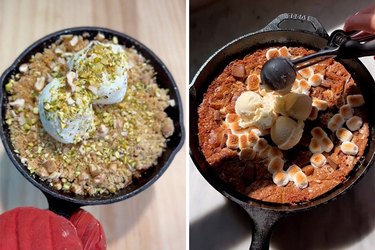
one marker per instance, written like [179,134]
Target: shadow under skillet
[336,225]
[220,229]
[333,226]
[213,26]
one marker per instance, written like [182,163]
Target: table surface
[216,223]
[156,218]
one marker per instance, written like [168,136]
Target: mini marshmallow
[292,170]
[313,114]
[243,142]
[295,85]
[315,80]
[284,52]
[260,145]
[327,144]
[304,84]
[252,82]
[232,118]
[280,178]
[247,154]
[275,152]
[276,164]
[320,104]
[335,122]
[354,123]
[272,53]
[355,100]
[301,90]
[315,146]
[232,141]
[263,154]
[318,160]
[306,72]
[235,127]
[349,148]
[344,135]
[300,180]
[252,138]
[256,131]
[346,111]
[318,133]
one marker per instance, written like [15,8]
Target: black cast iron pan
[63,203]
[289,30]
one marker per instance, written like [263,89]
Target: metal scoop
[280,73]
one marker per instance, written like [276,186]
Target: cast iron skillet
[66,204]
[289,30]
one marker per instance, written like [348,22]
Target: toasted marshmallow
[252,138]
[276,164]
[335,122]
[280,178]
[243,142]
[263,154]
[260,145]
[315,146]
[252,82]
[349,148]
[232,141]
[327,144]
[344,135]
[236,128]
[346,111]
[292,170]
[318,160]
[320,104]
[272,53]
[355,100]
[315,80]
[318,133]
[261,132]
[300,180]
[313,114]
[247,154]
[304,84]
[284,52]
[306,72]
[232,118]
[354,123]
[275,152]
[295,85]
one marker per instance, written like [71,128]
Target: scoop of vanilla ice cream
[68,117]
[102,68]
[255,110]
[286,132]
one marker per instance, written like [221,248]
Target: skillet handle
[263,221]
[297,22]
[61,207]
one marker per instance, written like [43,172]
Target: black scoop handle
[355,49]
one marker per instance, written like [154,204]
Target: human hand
[363,20]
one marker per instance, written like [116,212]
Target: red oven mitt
[34,228]
[89,230]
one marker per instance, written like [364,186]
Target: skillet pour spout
[285,30]
[66,203]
